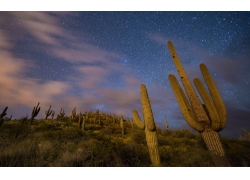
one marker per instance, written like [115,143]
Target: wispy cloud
[18,88]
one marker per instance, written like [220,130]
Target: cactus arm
[139,123]
[48,113]
[147,111]
[221,109]
[192,96]
[184,105]
[4,112]
[212,112]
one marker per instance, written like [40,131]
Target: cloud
[92,67]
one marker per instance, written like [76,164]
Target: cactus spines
[34,112]
[208,118]
[48,113]
[148,125]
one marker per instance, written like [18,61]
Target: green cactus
[48,113]
[208,118]
[2,115]
[148,125]
[34,112]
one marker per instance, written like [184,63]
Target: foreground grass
[48,143]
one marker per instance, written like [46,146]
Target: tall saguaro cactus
[34,112]
[208,118]
[48,113]
[148,125]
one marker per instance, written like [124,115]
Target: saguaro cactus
[73,115]
[61,114]
[80,120]
[48,113]
[2,115]
[208,118]
[34,112]
[122,124]
[52,115]
[148,125]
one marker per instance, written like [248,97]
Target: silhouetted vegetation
[62,143]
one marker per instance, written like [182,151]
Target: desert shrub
[19,154]
[138,136]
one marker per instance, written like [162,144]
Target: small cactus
[83,123]
[80,120]
[208,118]
[122,124]
[166,122]
[73,115]
[35,112]
[48,113]
[148,125]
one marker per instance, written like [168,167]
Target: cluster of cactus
[49,112]
[208,118]
[35,112]
[2,115]
[148,125]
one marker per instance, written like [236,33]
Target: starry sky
[97,60]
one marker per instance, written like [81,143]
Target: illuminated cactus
[34,112]
[2,115]
[48,113]
[148,125]
[122,124]
[208,118]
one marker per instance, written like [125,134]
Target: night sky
[97,60]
